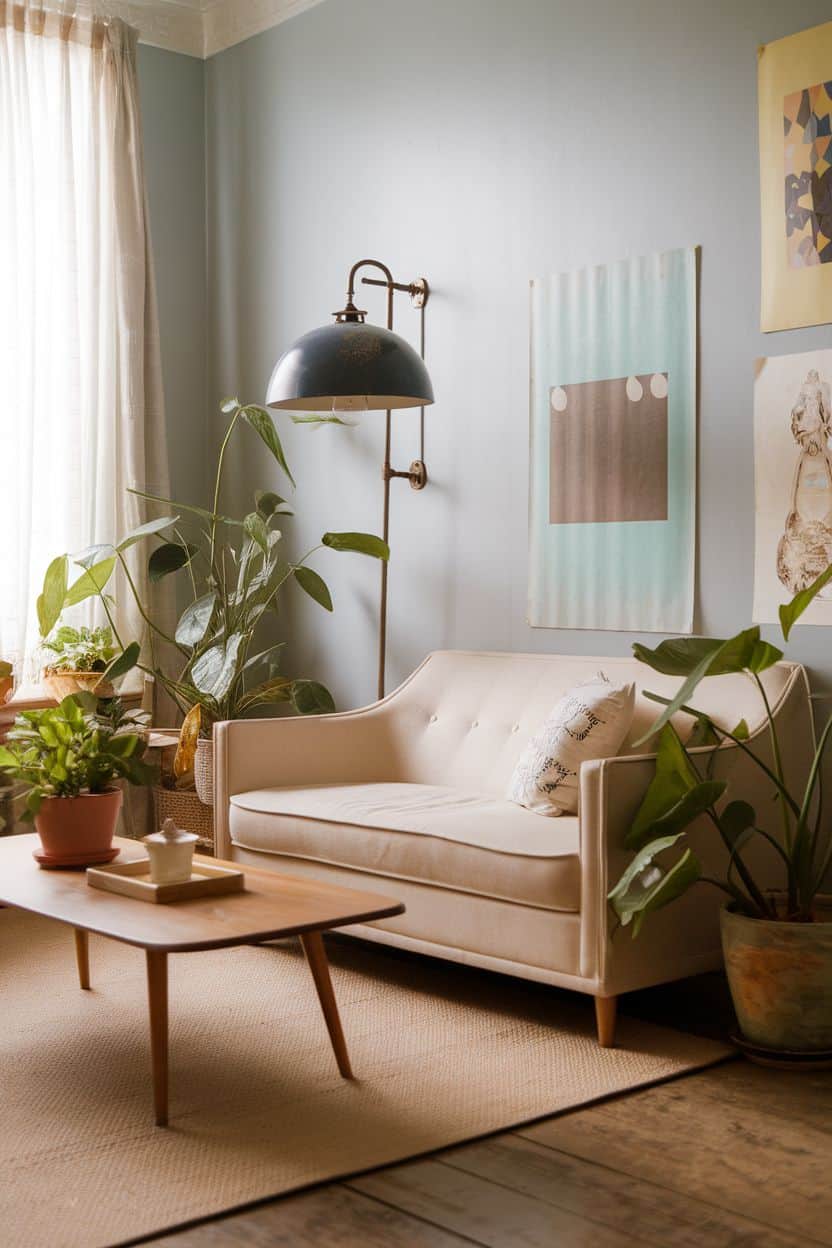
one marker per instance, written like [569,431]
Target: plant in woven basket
[236,568]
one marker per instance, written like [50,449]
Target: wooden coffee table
[271,906]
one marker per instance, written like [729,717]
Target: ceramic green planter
[780,975]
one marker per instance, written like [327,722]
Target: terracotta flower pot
[780,976]
[61,684]
[78,831]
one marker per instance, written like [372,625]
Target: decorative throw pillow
[591,721]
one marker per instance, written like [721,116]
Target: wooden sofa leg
[605,1008]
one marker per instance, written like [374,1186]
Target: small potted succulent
[70,758]
[76,661]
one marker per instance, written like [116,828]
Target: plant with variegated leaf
[683,790]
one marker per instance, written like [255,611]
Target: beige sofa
[407,797]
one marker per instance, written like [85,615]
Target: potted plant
[229,663]
[76,661]
[70,760]
[777,944]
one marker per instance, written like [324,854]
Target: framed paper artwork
[795,119]
[792,482]
[613,446]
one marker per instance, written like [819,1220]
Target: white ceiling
[203,27]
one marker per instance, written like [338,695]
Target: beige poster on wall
[792,482]
[795,103]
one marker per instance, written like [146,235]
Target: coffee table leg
[313,947]
[82,956]
[157,998]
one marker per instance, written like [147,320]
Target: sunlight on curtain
[81,411]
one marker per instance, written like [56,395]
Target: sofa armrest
[296,751]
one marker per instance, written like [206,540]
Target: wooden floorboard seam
[665,1187]
[418,1217]
[564,1209]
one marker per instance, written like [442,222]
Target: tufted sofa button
[433,719]
[515,727]
[475,723]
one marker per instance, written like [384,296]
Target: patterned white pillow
[591,721]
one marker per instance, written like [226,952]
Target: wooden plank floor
[732,1157]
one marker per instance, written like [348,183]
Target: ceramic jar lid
[169,834]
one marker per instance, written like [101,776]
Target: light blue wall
[172,91]
[481,142]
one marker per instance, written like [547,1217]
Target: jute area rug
[441,1054]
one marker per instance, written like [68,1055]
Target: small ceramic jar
[171,854]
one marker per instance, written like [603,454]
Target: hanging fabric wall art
[795,105]
[792,482]
[613,446]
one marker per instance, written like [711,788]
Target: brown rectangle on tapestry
[608,451]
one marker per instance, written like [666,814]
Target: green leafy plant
[683,790]
[228,661]
[68,750]
[81,649]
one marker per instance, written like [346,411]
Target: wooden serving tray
[132,879]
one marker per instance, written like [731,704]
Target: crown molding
[231,21]
[204,27]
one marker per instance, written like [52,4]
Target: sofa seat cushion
[424,832]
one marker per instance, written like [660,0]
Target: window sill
[32,698]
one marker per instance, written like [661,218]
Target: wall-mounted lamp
[352,366]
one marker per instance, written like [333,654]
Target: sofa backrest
[463,717]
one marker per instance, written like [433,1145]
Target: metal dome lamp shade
[352,366]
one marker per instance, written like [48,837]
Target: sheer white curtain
[81,409]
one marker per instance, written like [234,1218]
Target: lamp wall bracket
[417,474]
[418,290]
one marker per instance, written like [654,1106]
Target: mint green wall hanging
[613,446]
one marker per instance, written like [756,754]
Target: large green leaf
[309,697]
[146,530]
[733,655]
[91,582]
[790,612]
[195,621]
[214,671]
[674,777]
[123,663]
[678,656]
[51,599]
[646,886]
[690,806]
[261,421]
[168,558]
[763,655]
[360,543]
[315,586]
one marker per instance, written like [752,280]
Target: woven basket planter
[187,811]
[204,770]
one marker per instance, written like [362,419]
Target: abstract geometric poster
[795,101]
[793,482]
[613,446]
[807,155]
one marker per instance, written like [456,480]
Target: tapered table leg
[157,998]
[82,956]
[313,947]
